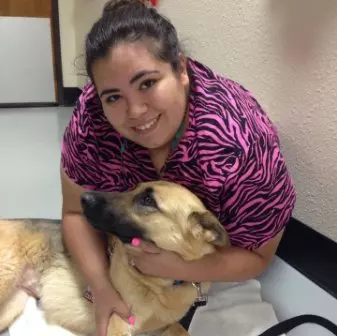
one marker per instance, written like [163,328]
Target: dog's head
[162,212]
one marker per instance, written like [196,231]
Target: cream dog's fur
[34,261]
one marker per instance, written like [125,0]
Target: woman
[151,113]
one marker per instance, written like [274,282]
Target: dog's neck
[160,283]
[155,283]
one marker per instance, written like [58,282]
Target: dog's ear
[208,225]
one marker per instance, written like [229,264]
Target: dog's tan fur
[181,224]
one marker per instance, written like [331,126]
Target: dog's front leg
[118,327]
[176,330]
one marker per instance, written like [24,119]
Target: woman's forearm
[232,264]
[87,248]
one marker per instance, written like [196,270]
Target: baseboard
[70,96]
[312,254]
[27,105]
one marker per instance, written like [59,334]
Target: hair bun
[112,5]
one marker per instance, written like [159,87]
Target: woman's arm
[232,264]
[84,243]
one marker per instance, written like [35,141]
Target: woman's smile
[147,127]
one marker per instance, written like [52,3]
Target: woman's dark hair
[131,21]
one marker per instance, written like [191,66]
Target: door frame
[57,57]
[66,96]
[63,96]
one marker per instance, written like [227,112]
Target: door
[27,62]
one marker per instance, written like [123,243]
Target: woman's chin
[153,141]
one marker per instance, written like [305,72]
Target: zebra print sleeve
[263,199]
[79,154]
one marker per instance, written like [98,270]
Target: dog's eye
[146,200]
[149,201]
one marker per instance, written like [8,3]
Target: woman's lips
[149,126]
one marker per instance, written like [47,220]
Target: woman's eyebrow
[141,74]
[108,91]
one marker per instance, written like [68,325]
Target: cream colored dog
[34,261]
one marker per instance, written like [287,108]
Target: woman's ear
[182,71]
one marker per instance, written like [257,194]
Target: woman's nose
[136,109]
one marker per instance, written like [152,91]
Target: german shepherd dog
[34,260]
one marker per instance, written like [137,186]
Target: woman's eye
[147,84]
[112,99]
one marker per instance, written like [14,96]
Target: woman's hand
[107,301]
[153,261]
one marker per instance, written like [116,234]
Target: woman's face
[142,97]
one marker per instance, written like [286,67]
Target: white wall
[74,25]
[87,12]
[249,42]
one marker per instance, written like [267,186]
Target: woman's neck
[160,155]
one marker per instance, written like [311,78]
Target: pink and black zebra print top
[229,156]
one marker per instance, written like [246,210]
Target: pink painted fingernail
[132,320]
[135,242]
